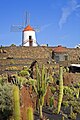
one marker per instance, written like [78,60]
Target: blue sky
[58,21]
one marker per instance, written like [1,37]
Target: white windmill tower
[29,37]
[28,33]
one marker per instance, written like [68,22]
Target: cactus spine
[16,103]
[42,83]
[60,88]
[30,113]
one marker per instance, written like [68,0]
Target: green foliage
[71,92]
[60,88]
[65,69]
[72,115]
[13,45]
[6,101]
[63,118]
[66,103]
[51,101]
[16,103]
[68,90]
[53,89]
[41,86]
[51,80]
[1,80]
[72,100]
[30,113]
[76,108]
[20,81]
[42,81]
[24,72]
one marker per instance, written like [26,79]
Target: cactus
[1,79]
[77,93]
[51,101]
[72,115]
[60,88]
[16,103]
[42,84]
[62,117]
[30,113]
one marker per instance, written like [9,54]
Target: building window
[66,57]
[57,58]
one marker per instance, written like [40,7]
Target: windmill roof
[28,28]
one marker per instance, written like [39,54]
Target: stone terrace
[14,58]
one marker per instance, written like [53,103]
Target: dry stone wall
[14,58]
[74,54]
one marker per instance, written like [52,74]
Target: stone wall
[24,52]
[74,54]
[14,58]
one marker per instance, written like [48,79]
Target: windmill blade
[16,28]
[27,18]
[37,29]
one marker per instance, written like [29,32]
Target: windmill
[19,28]
[28,33]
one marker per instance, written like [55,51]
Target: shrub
[24,73]
[53,89]
[13,45]
[6,101]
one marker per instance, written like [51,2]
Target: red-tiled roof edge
[60,49]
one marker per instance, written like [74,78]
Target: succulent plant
[16,102]
[60,88]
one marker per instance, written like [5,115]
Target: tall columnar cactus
[30,113]
[42,84]
[16,103]
[62,117]
[60,88]
[77,93]
[51,101]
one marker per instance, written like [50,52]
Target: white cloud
[67,11]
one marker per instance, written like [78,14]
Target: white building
[29,37]
[77,46]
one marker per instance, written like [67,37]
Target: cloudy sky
[57,21]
